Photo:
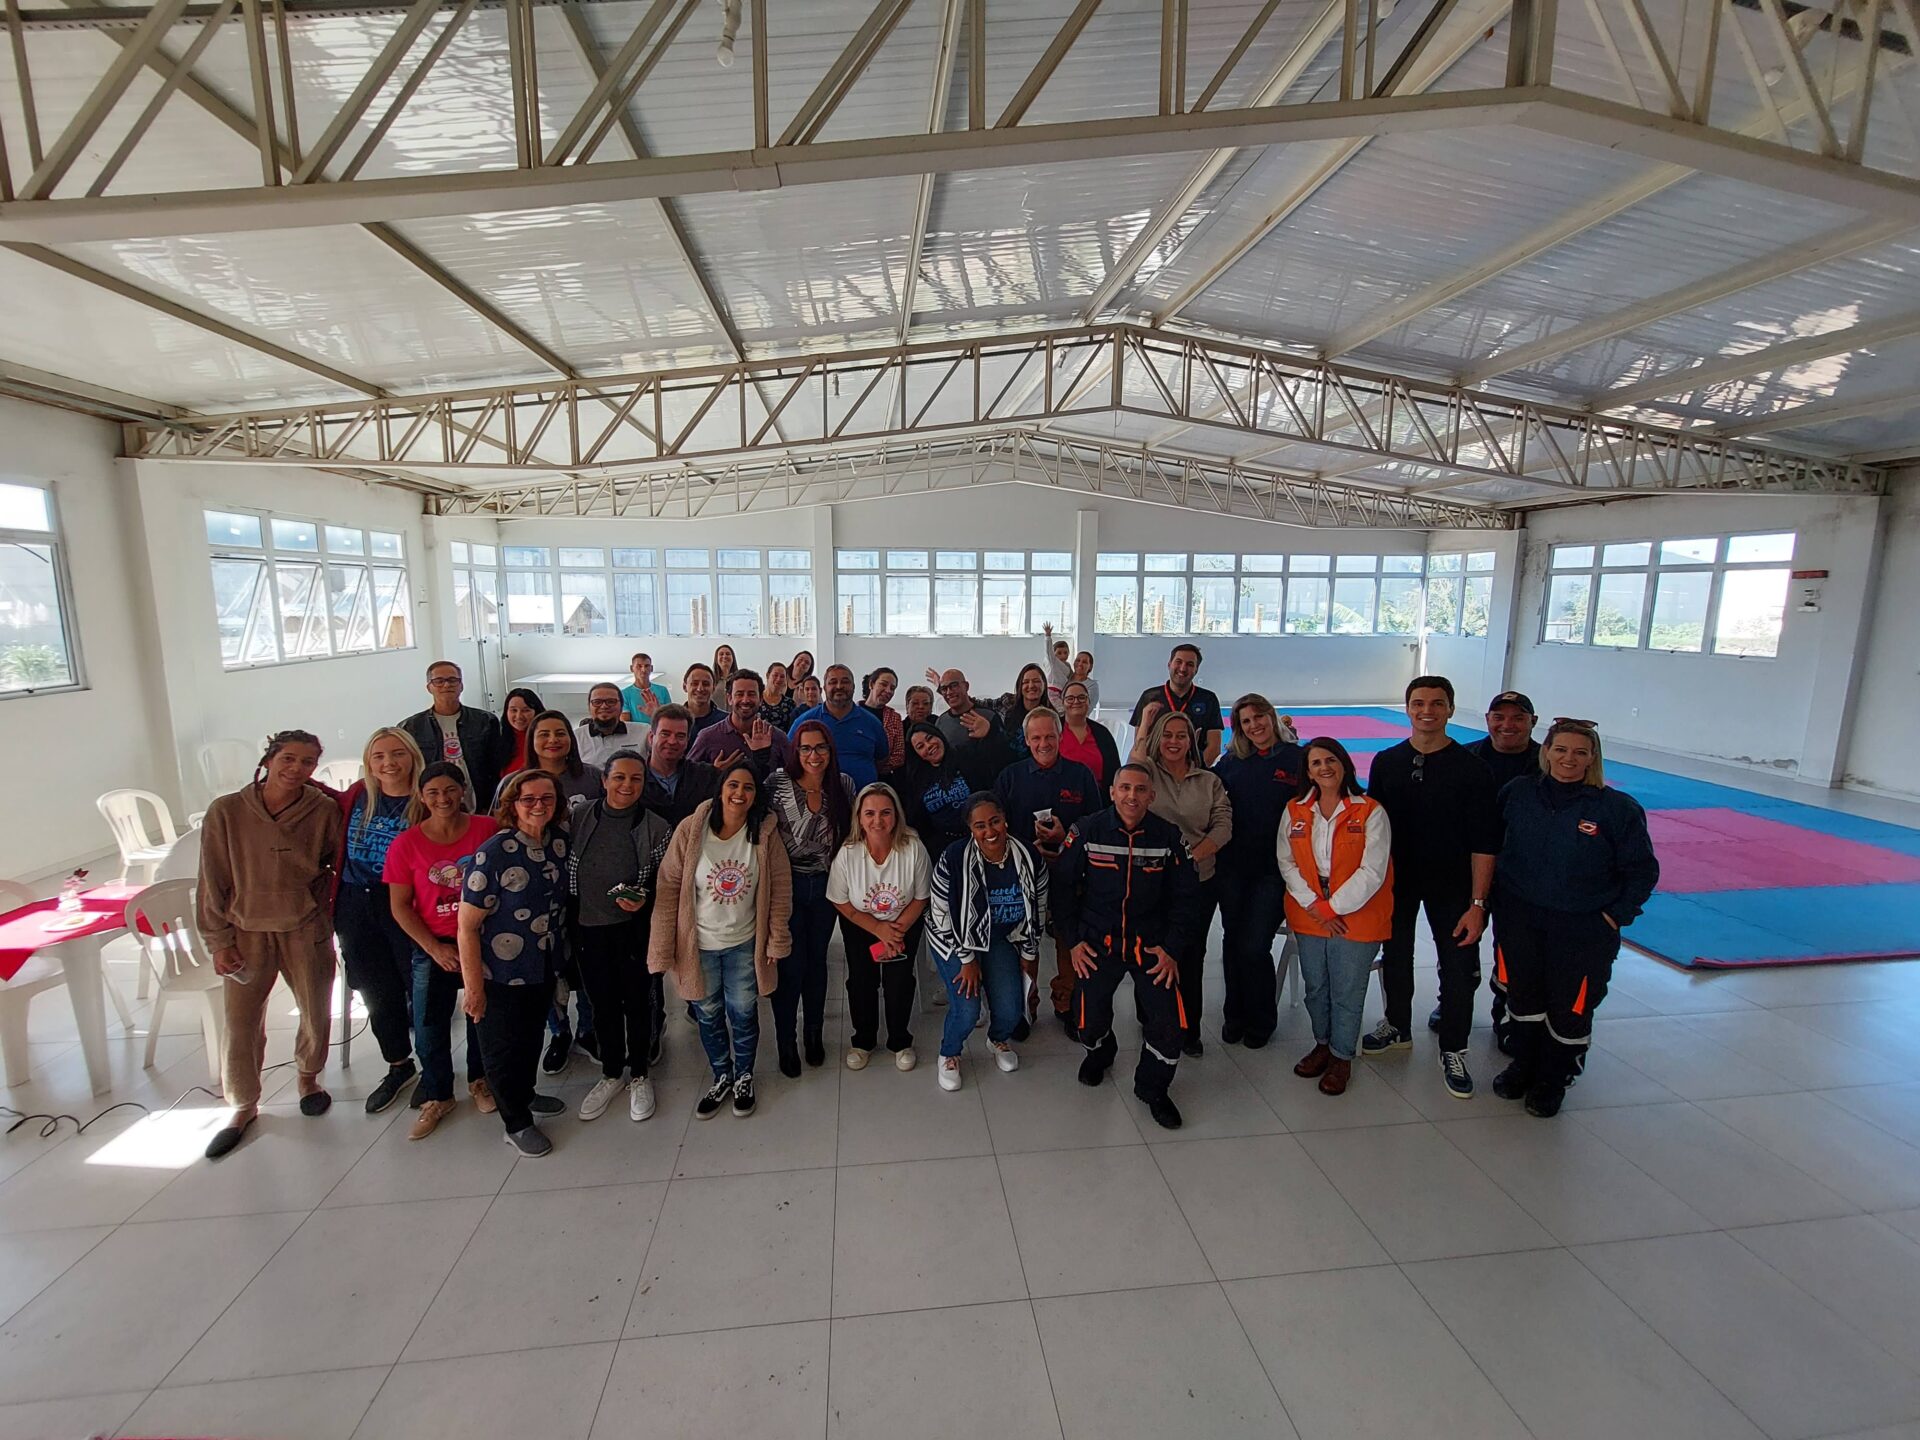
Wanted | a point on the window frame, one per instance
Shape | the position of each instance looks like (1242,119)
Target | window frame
(1654,569)
(657,574)
(54,538)
(850,563)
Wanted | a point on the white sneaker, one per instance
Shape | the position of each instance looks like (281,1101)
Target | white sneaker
(599,1098)
(949,1072)
(857,1059)
(905,1059)
(1005,1057)
(640,1098)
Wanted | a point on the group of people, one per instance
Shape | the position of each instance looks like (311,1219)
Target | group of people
(544,875)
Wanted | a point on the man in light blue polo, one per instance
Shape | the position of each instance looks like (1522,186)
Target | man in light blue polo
(858,738)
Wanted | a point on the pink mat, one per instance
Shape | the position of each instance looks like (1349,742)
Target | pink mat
(1716,849)
(1348,727)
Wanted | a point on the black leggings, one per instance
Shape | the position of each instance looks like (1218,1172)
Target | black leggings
(613,966)
(379,959)
(867,978)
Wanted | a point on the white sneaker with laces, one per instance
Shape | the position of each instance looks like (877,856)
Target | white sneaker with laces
(640,1100)
(905,1059)
(1005,1057)
(949,1072)
(599,1098)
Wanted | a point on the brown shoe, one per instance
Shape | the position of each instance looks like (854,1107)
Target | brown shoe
(1314,1063)
(1334,1082)
(429,1118)
(482,1096)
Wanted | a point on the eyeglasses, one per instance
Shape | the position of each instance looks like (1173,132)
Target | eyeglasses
(946,685)
(603,702)
(815,750)
(1583,724)
(537,802)
(444,680)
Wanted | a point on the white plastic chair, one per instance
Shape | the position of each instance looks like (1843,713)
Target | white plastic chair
(36,975)
(140,848)
(161,921)
(227,765)
(339,774)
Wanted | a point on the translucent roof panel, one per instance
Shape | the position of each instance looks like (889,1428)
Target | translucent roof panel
(1866,373)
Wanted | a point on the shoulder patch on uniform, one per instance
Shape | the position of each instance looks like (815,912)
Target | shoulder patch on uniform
(1588,827)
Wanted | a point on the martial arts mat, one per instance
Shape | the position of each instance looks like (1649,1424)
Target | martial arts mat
(1745,879)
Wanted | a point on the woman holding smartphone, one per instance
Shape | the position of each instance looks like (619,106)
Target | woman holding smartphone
(879,884)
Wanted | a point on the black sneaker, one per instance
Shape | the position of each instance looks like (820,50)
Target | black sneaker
(1256,1042)
(1383,1038)
(547,1105)
(718,1095)
(1093,1069)
(532,1142)
(816,1050)
(589,1045)
(1193,1048)
(388,1090)
(1165,1113)
(1511,1083)
(1453,1070)
(555,1060)
(1544,1100)
(743,1095)
(1433,1020)
(1232,1034)
(789,1062)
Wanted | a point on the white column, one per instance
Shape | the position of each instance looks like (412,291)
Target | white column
(1839,633)
(826,624)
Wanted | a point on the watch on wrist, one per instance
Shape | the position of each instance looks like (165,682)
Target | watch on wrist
(1479,904)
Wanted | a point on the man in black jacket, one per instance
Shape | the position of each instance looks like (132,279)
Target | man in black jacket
(1126,890)
(460,734)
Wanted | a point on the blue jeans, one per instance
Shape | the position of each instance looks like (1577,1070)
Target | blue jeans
(1004,984)
(435,994)
(731,1009)
(1334,973)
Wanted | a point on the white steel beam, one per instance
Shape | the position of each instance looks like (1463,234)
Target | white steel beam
(44,385)
(938,92)
(357,101)
(1763,361)
(1828,412)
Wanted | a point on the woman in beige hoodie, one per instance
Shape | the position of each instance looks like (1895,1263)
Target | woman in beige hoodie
(720,912)
(267,855)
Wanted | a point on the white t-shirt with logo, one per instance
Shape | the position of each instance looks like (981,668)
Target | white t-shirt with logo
(882,890)
(454,753)
(725,879)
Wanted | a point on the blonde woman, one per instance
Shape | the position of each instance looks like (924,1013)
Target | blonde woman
(879,884)
(377,953)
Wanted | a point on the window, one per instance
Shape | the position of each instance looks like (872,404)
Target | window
(1671,594)
(35,652)
(588,590)
(280,595)
(952,592)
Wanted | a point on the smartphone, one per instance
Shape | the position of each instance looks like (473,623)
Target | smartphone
(879,951)
(626,891)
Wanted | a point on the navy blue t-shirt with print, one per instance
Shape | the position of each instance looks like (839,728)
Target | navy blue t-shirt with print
(1004,901)
(523,889)
(368,839)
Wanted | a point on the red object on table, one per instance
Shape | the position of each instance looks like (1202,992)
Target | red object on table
(26,931)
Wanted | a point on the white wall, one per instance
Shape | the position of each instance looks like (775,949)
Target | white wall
(1787,714)
(68,748)
(1887,710)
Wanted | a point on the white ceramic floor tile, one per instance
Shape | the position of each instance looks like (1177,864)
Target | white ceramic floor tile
(65,1419)
(32,1261)
(288,1162)
(921,1233)
(310,1407)
(1718,1171)
(546,1392)
(1907,1222)
(98,1327)
(1171,1361)
(1805,1058)
(612,1150)
(776,1265)
(559,1265)
(1421,1198)
(1893,1108)
(1669,991)
(379,1264)
(1043,1106)
(762,1380)
(1217,1102)
(887,1114)
(66,1188)
(1790,1363)
(979,1362)
(1863,1270)
(1568,1355)
(1260,1206)
(1098,1220)
(469,1156)
(1850,1156)
(1357,1352)
(1610,1081)
(793,1127)
(1371,1097)
(1672,1053)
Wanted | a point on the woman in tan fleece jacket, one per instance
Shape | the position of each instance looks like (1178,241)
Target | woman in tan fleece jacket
(266,870)
(720,912)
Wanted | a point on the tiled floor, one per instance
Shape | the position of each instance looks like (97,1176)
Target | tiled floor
(1720,1237)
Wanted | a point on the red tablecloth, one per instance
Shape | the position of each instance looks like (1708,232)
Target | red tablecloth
(25,931)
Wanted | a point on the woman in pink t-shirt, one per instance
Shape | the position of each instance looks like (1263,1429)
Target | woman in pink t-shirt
(425,868)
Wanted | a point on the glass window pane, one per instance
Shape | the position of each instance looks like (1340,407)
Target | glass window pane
(857,601)
(296,535)
(1480,560)
(633,559)
(1400,605)
(463,619)
(858,559)
(486,600)
(1309,564)
(1354,565)
(1116,605)
(739,559)
(1116,560)
(243,612)
(909,611)
(1260,608)
(790,604)
(1307,607)
(392,614)
(34,652)
(739,603)
(955,599)
(1688,552)
(486,555)
(687,559)
(635,605)
(1477,605)
(1005,560)
(303,610)
(583,603)
(350,601)
(530,556)
(1680,611)
(956,559)
(579,559)
(224,529)
(1051,603)
(1571,557)
(1263,564)
(1618,608)
(906,559)
(25,507)
(529,602)
(342,541)
(789,559)
(1567,597)
(387,546)
(1167,564)
(1443,605)
(1633,552)
(1213,600)
(1003,605)
(1163,605)
(689,602)
(458,549)
(1753,603)
(1052,560)
(1449,562)
(1218,564)
(1403,564)
(1353,607)
(1745,549)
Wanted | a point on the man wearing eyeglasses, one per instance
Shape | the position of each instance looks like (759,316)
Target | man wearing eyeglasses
(459,734)
(858,738)
(974,735)
(603,733)
(1440,800)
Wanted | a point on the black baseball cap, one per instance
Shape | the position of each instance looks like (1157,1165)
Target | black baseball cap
(1512,697)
